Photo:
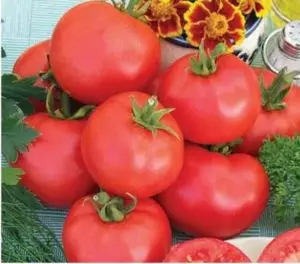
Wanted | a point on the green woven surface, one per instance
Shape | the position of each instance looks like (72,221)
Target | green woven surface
(29,21)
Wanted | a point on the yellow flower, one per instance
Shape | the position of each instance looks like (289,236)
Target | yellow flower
(210,22)
(260,7)
(165,17)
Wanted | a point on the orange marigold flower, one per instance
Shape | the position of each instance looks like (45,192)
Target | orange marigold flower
(166,17)
(210,22)
(261,7)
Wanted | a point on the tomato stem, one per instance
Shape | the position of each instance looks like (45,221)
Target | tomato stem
(204,63)
(65,112)
(112,209)
(273,96)
(149,117)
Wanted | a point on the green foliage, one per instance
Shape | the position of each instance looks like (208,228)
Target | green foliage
(11,176)
(281,160)
(20,90)
(25,237)
(16,135)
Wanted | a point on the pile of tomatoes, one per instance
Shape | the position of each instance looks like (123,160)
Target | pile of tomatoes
(140,161)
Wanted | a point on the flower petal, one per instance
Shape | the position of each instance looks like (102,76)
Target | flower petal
(181,8)
(197,12)
(235,2)
(195,33)
(154,25)
(227,9)
(210,44)
(233,38)
(237,21)
(212,5)
(260,9)
(246,7)
(171,27)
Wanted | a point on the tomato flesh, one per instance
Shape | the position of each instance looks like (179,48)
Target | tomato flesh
(205,250)
(284,248)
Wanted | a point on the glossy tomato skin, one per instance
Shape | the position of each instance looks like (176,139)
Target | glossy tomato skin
(123,156)
(270,123)
(283,248)
(53,166)
(143,236)
(31,62)
(93,59)
(205,250)
(215,109)
(215,195)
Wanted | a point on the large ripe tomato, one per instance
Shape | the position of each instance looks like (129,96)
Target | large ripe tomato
(216,195)
(144,235)
(205,250)
(30,63)
(98,51)
(284,248)
(53,166)
(270,122)
(212,109)
(124,152)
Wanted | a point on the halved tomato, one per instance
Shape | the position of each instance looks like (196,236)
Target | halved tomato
(205,250)
(284,248)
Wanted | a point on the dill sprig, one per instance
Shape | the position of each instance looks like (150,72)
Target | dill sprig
(24,237)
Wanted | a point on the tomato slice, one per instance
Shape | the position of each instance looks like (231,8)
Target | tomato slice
(205,250)
(284,248)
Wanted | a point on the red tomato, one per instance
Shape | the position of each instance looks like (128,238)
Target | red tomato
(53,166)
(31,62)
(205,250)
(98,51)
(284,122)
(284,248)
(143,236)
(154,85)
(216,195)
(214,109)
(123,156)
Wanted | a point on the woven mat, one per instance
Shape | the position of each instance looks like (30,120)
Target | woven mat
(30,21)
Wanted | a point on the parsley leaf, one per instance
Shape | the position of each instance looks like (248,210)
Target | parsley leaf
(20,90)
(281,160)
(11,176)
(16,135)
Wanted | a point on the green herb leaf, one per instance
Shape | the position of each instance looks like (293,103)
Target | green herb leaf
(20,90)
(281,160)
(16,135)
(11,176)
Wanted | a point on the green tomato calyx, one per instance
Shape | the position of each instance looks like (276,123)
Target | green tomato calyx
(64,112)
(112,209)
(273,97)
(204,63)
(149,117)
(226,148)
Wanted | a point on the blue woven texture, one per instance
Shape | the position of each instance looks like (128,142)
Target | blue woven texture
(30,21)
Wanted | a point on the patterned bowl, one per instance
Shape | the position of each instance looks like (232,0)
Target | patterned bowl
(174,48)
